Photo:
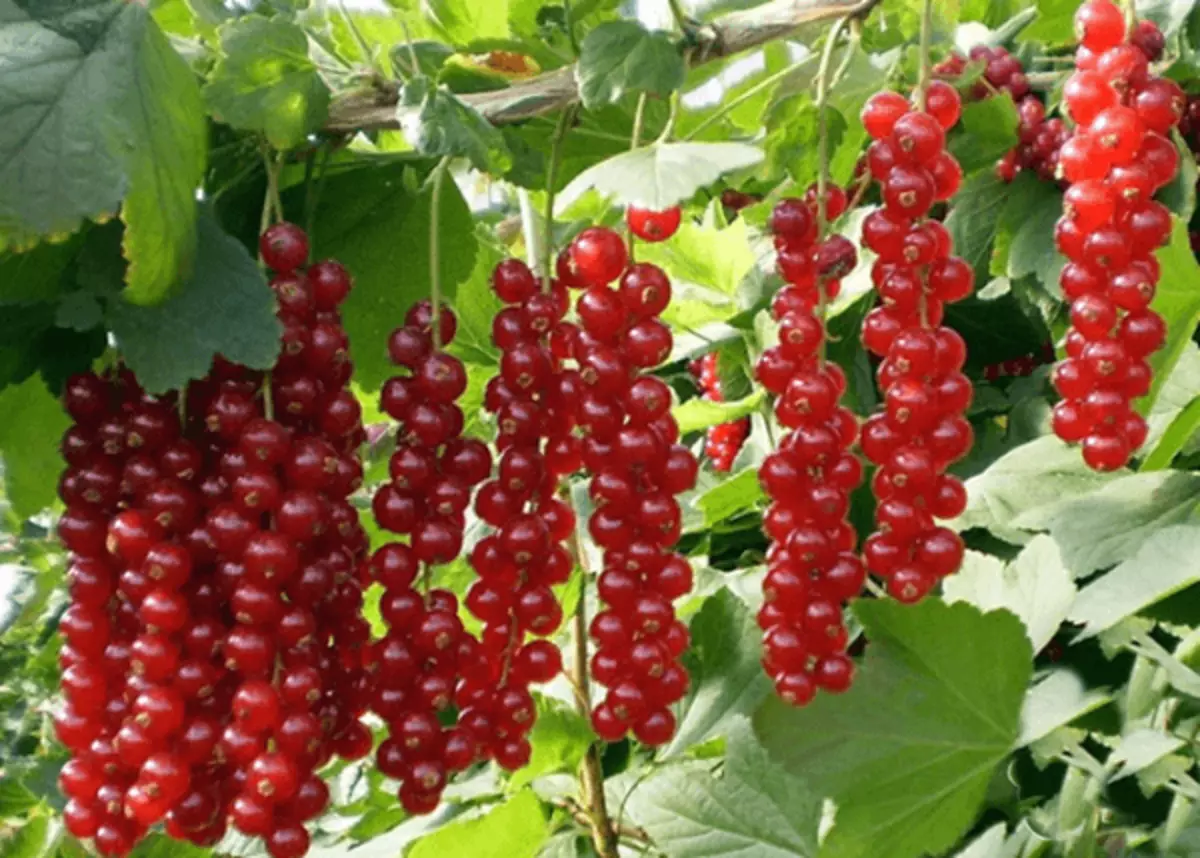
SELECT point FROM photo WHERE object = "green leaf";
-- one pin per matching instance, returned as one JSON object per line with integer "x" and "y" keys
{"x": 1104, "y": 527}
{"x": 264, "y": 81}
{"x": 15, "y": 799}
{"x": 29, "y": 445}
{"x": 64, "y": 72}
{"x": 909, "y": 751}
{"x": 29, "y": 840}
{"x": 1163, "y": 565}
{"x": 160, "y": 846}
{"x": 660, "y": 175}
{"x": 379, "y": 230}
{"x": 730, "y": 497}
{"x": 1035, "y": 586}
{"x": 465, "y": 21}
{"x": 792, "y": 138}
{"x": 560, "y": 738}
{"x": 166, "y": 119}
{"x": 1029, "y": 483}
{"x": 476, "y": 304}
{"x": 225, "y": 308}
{"x": 708, "y": 265}
{"x": 1182, "y": 429}
{"x": 98, "y": 107}
{"x": 1178, "y": 302}
{"x": 1025, "y": 234}
{"x": 438, "y": 124}
{"x": 1057, "y": 699}
{"x": 1055, "y": 23}
{"x": 515, "y": 829}
{"x": 39, "y": 274}
{"x": 623, "y": 56}
{"x": 974, "y": 218}
{"x": 989, "y": 131}
{"x": 752, "y": 807}
{"x": 727, "y": 677}
{"x": 697, "y": 414}
{"x": 1180, "y": 195}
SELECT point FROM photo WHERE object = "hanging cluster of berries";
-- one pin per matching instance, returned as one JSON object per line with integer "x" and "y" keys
{"x": 631, "y": 452}
{"x": 1020, "y": 367}
{"x": 419, "y": 663}
{"x": 813, "y": 567}
{"x": 536, "y": 400}
{"x": 1120, "y": 156}
{"x": 922, "y": 429}
{"x": 214, "y": 652}
{"x": 723, "y": 442}
{"x": 1041, "y": 138}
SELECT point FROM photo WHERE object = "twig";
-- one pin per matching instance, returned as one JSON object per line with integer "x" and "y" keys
{"x": 560, "y": 136}
{"x": 581, "y": 816}
{"x": 823, "y": 159}
{"x": 549, "y": 93}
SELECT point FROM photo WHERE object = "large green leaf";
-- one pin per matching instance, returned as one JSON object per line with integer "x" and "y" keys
{"x": 437, "y": 123}
{"x": 661, "y": 175}
{"x": 724, "y": 662}
{"x": 264, "y": 81}
{"x": 1054, "y": 701}
{"x": 908, "y": 752}
{"x": 752, "y": 807}
{"x": 29, "y": 445}
{"x": 1182, "y": 429}
{"x": 40, "y": 274}
{"x": 1163, "y": 565}
{"x": 697, "y": 414}
{"x": 731, "y": 496}
{"x": 378, "y": 227}
{"x": 1025, "y": 233}
{"x": 1035, "y": 586}
{"x": 974, "y": 219}
{"x": 166, "y": 119}
{"x": 1178, "y": 302}
{"x": 97, "y": 107}
{"x": 1106, "y": 526}
{"x": 515, "y": 829}
{"x": 225, "y": 308}
{"x": 30, "y": 839}
{"x": 623, "y": 56}
{"x": 1029, "y": 483}
{"x": 1055, "y": 23}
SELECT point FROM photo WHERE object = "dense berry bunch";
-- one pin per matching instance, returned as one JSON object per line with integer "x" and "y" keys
{"x": 631, "y": 451}
{"x": 419, "y": 662}
{"x": 1020, "y": 367}
{"x": 922, "y": 429}
{"x": 1041, "y": 138}
{"x": 536, "y": 401}
{"x": 1120, "y": 156}
{"x": 214, "y": 653}
{"x": 723, "y": 442}
{"x": 813, "y": 567}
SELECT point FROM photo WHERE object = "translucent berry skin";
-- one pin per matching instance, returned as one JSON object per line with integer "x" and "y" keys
{"x": 284, "y": 247}
{"x": 653, "y": 226}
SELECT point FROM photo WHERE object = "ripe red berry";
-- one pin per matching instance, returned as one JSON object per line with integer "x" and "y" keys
{"x": 653, "y": 226}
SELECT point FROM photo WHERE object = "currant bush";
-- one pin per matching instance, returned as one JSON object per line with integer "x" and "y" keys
{"x": 722, "y": 443}
{"x": 213, "y": 656}
{"x": 812, "y": 565}
{"x": 922, "y": 429}
{"x": 1120, "y": 157}
{"x": 421, "y": 661}
{"x": 636, "y": 465}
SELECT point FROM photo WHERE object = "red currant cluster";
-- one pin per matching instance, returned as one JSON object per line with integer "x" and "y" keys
{"x": 419, "y": 663}
{"x": 1119, "y": 158}
{"x": 214, "y": 654}
{"x": 1020, "y": 367}
{"x": 631, "y": 451}
{"x": 813, "y": 567}
{"x": 536, "y": 402}
{"x": 1002, "y": 72}
{"x": 723, "y": 442}
{"x": 921, "y": 430}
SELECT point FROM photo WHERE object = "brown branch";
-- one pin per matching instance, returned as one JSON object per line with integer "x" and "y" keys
{"x": 548, "y": 93}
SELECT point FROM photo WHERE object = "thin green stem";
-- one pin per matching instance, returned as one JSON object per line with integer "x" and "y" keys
{"x": 823, "y": 87}
{"x": 922, "y": 90}
{"x": 435, "y": 270}
{"x": 733, "y": 104}
{"x": 635, "y": 140}
{"x": 672, "y": 118}
{"x": 314, "y": 197}
{"x": 681, "y": 18}
{"x": 556, "y": 149}
{"x": 1130, "y": 7}
{"x": 926, "y": 66}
